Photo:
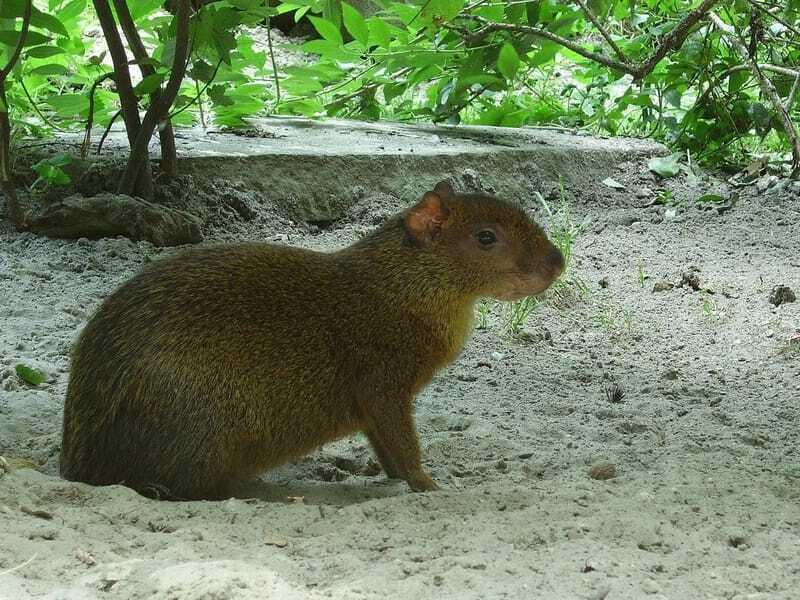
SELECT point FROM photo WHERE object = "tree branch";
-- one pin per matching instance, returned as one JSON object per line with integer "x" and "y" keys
{"x": 166, "y": 135}
{"x": 490, "y": 27}
{"x": 15, "y": 213}
{"x": 672, "y": 41}
{"x": 603, "y": 32}
{"x": 160, "y": 106}
{"x": 766, "y": 87}
{"x": 675, "y": 38}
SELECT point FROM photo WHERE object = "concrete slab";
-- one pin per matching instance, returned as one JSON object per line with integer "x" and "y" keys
{"x": 324, "y": 166}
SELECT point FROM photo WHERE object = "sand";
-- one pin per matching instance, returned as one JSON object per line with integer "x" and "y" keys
{"x": 704, "y": 442}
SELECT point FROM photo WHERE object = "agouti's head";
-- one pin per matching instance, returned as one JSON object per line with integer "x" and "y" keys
{"x": 492, "y": 247}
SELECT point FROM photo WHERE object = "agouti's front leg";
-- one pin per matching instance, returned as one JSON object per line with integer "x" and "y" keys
{"x": 393, "y": 436}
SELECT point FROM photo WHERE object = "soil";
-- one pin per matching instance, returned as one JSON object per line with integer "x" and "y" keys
{"x": 625, "y": 443}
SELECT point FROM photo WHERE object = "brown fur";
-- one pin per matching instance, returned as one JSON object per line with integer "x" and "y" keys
{"x": 212, "y": 366}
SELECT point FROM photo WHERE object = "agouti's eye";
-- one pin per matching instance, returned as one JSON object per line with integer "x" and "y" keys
{"x": 487, "y": 238}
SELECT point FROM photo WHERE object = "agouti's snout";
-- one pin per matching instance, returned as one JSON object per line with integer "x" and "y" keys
{"x": 554, "y": 260}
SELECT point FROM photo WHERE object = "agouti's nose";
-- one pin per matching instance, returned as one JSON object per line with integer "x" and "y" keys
{"x": 555, "y": 259}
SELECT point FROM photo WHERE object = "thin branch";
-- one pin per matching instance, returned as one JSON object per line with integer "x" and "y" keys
{"x": 274, "y": 66}
{"x": 603, "y": 32}
{"x": 490, "y": 27}
{"x": 199, "y": 93}
{"x": 672, "y": 41}
{"x": 108, "y": 130}
{"x": 36, "y": 108}
{"x": 675, "y": 38}
{"x": 128, "y": 100}
{"x": 87, "y": 136}
{"x": 19, "y": 566}
{"x": 793, "y": 93}
{"x": 766, "y": 87}
{"x": 23, "y": 35}
{"x": 738, "y": 68}
{"x": 773, "y": 16}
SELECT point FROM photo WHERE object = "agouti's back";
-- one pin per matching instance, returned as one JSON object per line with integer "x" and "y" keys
{"x": 212, "y": 366}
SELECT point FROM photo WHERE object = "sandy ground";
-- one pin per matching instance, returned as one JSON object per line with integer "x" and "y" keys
{"x": 706, "y": 498}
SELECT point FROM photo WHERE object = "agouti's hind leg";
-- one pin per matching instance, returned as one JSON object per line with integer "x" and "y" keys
{"x": 383, "y": 456}
{"x": 392, "y": 426}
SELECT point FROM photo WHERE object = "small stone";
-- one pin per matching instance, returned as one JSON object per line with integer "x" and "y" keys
{"x": 602, "y": 471}
{"x": 498, "y": 356}
{"x": 663, "y": 286}
{"x": 649, "y": 586}
{"x": 781, "y": 294}
{"x": 766, "y": 182}
{"x": 671, "y": 374}
{"x": 603, "y": 282}
{"x": 691, "y": 280}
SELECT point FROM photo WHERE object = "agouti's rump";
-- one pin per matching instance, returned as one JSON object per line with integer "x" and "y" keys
{"x": 212, "y": 366}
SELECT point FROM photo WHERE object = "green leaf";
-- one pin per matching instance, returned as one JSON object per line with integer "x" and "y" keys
{"x": 327, "y": 30}
{"x": 379, "y": 32}
{"x": 508, "y": 61}
{"x": 673, "y": 96}
{"x": 29, "y": 375}
{"x": 44, "y": 51}
{"x": 710, "y": 198}
{"x": 664, "y": 166}
{"x": 51, "y": 69}
{"x": 440, "y": 9}
{"x": 355, "y": 24}
{"x": 612, "y": 183}
{"x": 48, "y": 22}
{"x": 149, "y": 84}
{"x": 69, "y": 105}
{"x": 34, "y": 38}
{"x": 72, "y": 10}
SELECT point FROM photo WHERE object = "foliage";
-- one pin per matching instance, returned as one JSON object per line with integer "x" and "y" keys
{"x": 546, "y": 62}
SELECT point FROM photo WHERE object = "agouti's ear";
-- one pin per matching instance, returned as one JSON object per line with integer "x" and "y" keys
{"x": 424, "y": 220}
{"x": 443, "y": 189}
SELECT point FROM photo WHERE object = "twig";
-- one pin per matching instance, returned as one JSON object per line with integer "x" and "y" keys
{"x": 602, "y": 30}
{"x": 737, "y": 68}
{"x": 773, "y": 16}
{"x": 490, "y": 27}
{"x": 35, "y": 106}
{"x": 675, "y": 38}
{"x": 274, "y": 66}
{"x": 672, "y": 41}
{"x": 87, "y": 137}
{"x": 766, "y": 86}
{"x": 23, "y": 35}
{"x": 793, "y": 93}
{"x": 200, "y": 93}
{"x": 108, "y": 130}
{"x": 19, "y": 566}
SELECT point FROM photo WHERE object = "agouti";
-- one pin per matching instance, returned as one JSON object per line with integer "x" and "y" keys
{"x": 209, "y": 367}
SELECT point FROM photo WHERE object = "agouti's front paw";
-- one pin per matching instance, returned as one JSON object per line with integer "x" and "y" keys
{"x": 422, "y": 482}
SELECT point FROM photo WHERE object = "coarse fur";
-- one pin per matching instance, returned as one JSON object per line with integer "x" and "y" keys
{"x": 212, "y": 366}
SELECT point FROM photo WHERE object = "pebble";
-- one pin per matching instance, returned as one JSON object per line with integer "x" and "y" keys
{"x": 603, "y": 471}
{"x": 663, "y": 286}
{"x": 781, "y": 294}
{"x": 498, "y": 356}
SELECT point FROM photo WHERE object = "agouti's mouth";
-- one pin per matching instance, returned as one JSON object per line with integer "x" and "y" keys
{"x": 522, "y": 285}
